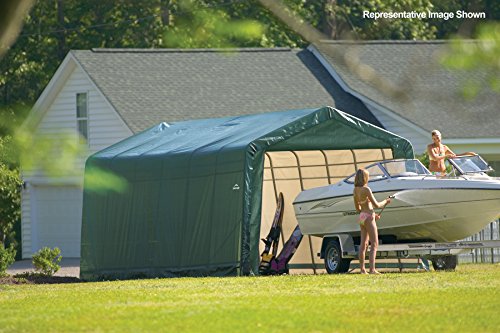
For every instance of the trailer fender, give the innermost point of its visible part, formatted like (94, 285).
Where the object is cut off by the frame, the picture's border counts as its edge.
(345, 240)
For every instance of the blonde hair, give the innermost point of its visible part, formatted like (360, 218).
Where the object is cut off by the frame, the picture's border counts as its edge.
(436, 132)
(361, 178)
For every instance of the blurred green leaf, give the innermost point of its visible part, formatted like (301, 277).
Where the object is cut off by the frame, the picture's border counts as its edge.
(204, 27)
(101, 181)
(55, 155)
(481, 55)
(470, 89)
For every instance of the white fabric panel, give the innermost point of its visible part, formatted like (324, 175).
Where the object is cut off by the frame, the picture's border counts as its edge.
(368, 155)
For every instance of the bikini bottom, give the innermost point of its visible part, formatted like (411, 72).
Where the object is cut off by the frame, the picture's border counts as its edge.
(365, 216)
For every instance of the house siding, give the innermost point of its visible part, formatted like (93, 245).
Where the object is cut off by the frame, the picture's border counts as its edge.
(25, 223)
(105, 128)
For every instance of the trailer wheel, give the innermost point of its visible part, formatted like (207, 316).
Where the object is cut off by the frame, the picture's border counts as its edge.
(334, 263)
(447, 263)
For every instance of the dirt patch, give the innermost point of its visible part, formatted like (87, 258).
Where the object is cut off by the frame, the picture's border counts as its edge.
(35, 278)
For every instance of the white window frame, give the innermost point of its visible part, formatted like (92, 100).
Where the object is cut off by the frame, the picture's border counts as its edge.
(83, 137)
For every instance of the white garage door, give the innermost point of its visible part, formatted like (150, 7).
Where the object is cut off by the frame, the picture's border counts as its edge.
(58, 214)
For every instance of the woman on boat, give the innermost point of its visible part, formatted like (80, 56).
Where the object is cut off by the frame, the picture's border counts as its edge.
(438, 153)
(364, 201)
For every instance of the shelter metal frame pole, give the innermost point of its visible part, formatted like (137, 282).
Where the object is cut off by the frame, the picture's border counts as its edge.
(321, 165)
(354, 160)
(272, 176)
(302, 189)
(331, 164)
(275, 189)
(327, 166)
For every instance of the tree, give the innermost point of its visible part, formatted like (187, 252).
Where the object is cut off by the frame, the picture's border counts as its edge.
(342, 19)
(448, 28)
(196, 26)
(10, 196)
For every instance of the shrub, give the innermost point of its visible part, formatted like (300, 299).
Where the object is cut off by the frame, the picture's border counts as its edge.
(7, 257)
(47, 260)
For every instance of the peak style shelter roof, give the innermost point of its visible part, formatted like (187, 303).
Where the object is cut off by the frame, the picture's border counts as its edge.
(411, 82)
(148, 86)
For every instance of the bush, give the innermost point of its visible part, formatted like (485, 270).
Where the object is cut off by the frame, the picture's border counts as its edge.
(47, 260)
(7, 257)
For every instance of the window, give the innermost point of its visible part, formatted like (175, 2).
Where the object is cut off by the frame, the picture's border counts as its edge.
(82, 116)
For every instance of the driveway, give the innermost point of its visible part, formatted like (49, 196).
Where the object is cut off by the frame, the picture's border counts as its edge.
(69, 267)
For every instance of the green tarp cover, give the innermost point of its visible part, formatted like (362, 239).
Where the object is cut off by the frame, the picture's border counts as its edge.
(192, 205)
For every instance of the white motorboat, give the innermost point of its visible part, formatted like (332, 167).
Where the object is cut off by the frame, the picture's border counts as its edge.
(425, 207)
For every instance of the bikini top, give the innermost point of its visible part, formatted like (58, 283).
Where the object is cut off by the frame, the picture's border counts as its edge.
(440, 153)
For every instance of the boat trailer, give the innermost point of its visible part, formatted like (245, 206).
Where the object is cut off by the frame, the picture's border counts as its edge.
(338, 250)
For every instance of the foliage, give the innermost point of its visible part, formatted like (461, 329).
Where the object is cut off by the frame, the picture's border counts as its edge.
(424, 158)
(47, 260)
(10, 197)
(7, 258)
(344, 19)
(202, 27)
(480, 56)
(465, 28)
(393, 302)
(101, 181)
(46, 37)
(54, 155)
(275, 32)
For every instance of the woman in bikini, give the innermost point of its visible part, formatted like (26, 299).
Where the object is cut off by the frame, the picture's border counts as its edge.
(364, 201)
(438, 153)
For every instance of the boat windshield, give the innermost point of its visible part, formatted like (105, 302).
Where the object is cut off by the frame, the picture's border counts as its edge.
(375, 172)
(395, 168)
(470, 164)
(405, 168)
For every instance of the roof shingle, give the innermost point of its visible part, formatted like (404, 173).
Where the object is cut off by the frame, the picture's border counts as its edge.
(148, 86)
(423, 91)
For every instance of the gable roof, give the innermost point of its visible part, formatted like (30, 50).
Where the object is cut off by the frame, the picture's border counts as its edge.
(424, 92)
(148, 86)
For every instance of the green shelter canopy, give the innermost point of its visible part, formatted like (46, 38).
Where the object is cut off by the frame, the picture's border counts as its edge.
(193, 200)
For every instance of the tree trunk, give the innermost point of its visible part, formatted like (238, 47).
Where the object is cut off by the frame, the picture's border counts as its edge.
(61, 34)
(330, 23)
(165, 12)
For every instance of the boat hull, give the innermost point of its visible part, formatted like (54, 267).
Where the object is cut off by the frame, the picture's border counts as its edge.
(439, 214)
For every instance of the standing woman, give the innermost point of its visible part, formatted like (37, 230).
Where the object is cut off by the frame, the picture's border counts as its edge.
(438, 153)
(364, 201)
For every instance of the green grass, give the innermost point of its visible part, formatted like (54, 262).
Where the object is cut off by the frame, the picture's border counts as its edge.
(467, 300)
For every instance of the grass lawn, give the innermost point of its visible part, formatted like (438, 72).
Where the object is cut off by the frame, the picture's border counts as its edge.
(467, 300)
